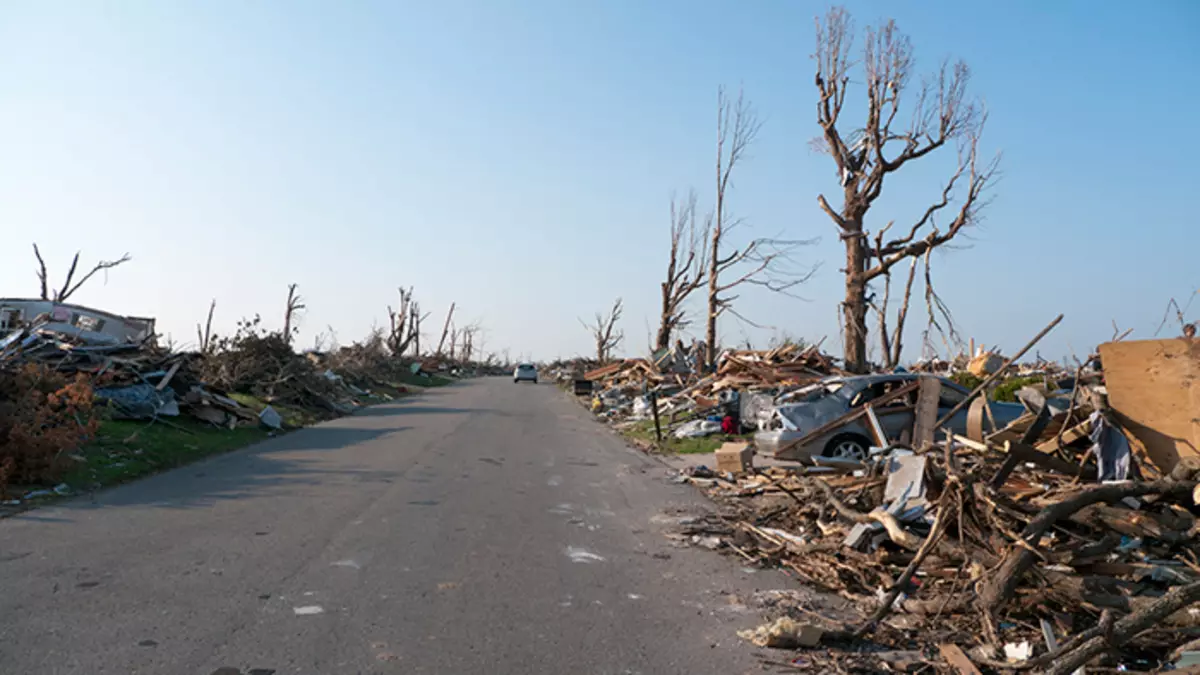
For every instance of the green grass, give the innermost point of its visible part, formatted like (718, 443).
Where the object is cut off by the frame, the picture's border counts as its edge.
(126, 450)
(418, 381)
(293, 416)
(644, 431)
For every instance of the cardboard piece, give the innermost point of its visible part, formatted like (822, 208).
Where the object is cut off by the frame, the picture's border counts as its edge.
(735, 458)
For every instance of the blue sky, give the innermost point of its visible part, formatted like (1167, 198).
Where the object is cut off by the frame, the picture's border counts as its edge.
(518, 158)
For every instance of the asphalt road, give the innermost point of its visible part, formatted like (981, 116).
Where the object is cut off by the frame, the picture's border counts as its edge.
(485, 527)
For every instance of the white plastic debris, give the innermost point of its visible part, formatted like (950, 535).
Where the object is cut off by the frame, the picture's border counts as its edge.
(697, 429)
(270, 418)
(1017, 652)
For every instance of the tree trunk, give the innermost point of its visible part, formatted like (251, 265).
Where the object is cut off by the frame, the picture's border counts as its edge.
(663, 339)
(854, 308)
(710, 357)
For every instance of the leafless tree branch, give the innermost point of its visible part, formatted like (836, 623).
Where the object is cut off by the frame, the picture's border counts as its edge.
(762, 262)
(68, 289)
(41, 272)
(295, 304)
(205, 336)
(604, 331)
(939, 113)
(686, 263)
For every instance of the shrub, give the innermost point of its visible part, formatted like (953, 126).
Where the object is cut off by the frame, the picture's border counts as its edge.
(1007, 390)
(43, 417)
(263, 364)
(966, 379)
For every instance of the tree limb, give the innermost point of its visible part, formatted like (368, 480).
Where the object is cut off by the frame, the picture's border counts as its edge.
(41, 272)
(68, 290)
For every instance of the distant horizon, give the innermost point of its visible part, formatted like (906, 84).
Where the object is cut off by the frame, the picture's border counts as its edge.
(518, 161)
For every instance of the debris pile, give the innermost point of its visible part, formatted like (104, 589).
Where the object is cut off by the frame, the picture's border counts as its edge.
(696, 403)
(1057, 541)
(141, 380)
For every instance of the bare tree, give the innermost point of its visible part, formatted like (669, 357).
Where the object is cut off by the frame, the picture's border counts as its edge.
(604, 331)
(205, 336)
(68, 289)
(470, 335)
(940, 114)
(686, 266)
(405, 324)
(761, 262)
(295, 304)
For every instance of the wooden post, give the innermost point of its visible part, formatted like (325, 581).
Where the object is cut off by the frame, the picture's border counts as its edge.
(657, 424)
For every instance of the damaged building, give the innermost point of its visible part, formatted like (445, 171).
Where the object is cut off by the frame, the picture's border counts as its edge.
(83, 323)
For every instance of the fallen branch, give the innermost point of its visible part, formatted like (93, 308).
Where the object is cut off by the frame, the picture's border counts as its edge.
(1127, 628)
(940, 523)
(994, 592)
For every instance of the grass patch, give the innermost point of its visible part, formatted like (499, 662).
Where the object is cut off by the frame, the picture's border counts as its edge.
(293, 416)
(126, 450)
(419, 381)
(644, 431)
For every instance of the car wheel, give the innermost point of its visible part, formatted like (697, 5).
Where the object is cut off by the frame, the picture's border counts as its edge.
(535, 380)
(847, 446)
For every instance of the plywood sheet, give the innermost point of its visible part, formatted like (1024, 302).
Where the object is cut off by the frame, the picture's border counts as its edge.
(1154, 387)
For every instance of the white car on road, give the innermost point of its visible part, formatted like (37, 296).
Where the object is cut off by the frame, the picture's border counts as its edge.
(525, 371)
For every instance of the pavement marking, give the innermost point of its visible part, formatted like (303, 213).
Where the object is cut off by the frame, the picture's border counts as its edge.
(347, 563)
(554, 481)
(308, 610)
(579, 555)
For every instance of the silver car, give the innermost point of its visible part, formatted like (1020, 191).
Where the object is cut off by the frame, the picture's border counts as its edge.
(800, 412)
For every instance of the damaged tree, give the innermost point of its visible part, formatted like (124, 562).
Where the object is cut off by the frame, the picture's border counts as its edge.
(469, 335)
(686, 263)
(605, 333)
(68, 289)
(940, 114)
(762, 262)
(405, 324)
(294, 304)
(205, 336)
(446, 331)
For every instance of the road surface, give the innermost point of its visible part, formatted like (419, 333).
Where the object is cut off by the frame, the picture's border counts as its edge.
(485, 527)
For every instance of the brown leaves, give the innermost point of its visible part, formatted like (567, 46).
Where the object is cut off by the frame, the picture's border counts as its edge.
(43, 416)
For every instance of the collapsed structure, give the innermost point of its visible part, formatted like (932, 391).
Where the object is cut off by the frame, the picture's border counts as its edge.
(76, 356)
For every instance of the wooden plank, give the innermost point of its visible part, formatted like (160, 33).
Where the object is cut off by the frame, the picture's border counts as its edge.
(926, 415)
(1030, 454)
(1154, 387)
(956, 657)
(167, 378)
(970, 443)
(881, 439)
(1076, 433)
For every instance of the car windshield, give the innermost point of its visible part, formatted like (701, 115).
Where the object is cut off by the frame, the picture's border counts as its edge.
(525, 366)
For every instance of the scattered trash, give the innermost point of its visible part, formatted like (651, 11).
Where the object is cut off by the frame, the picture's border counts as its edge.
(784, 633)
(697, 429)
